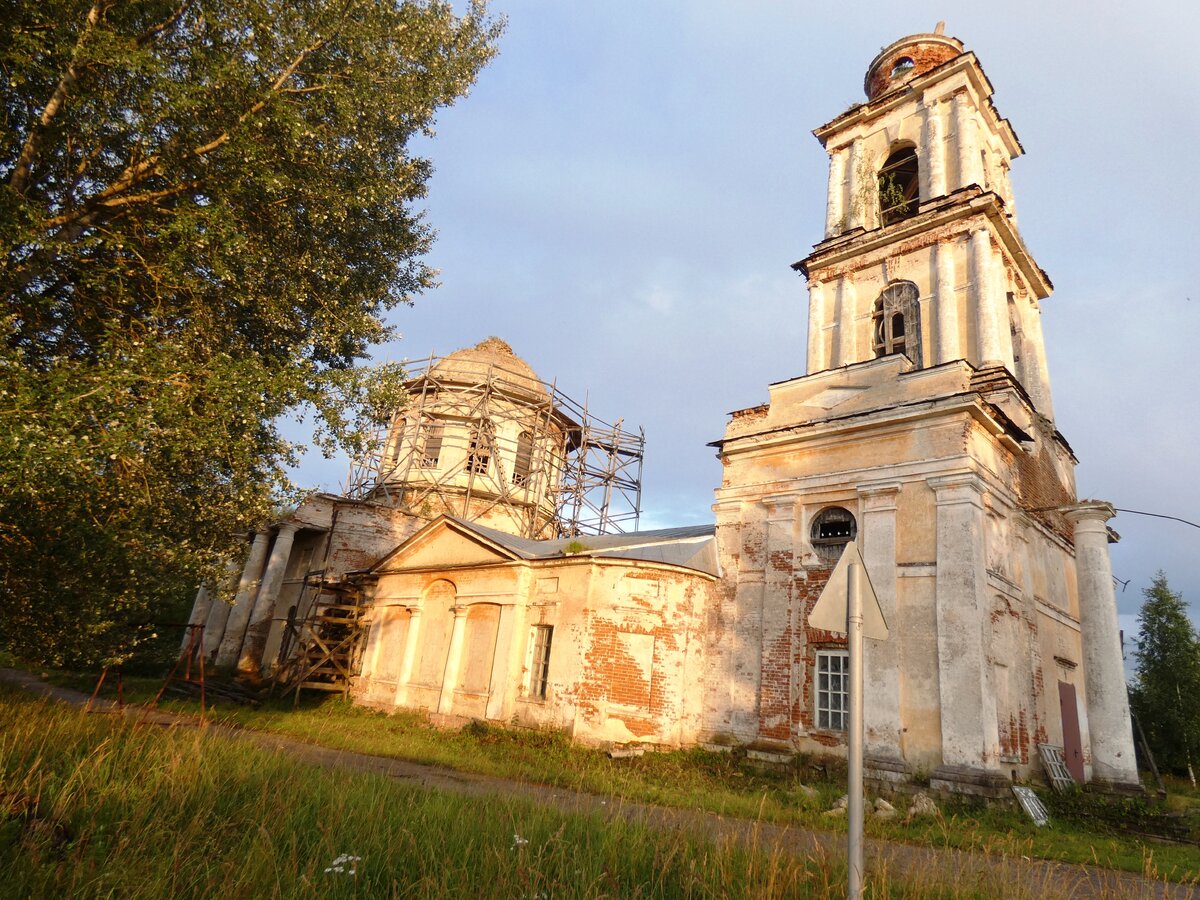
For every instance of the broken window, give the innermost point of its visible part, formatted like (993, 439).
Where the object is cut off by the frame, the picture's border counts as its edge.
(902, 66)
(523, 462)
(539, 674)
(431, 445)
(832, 529)
(833, 672)
(896, 321)
(899, 187)
(478, 454)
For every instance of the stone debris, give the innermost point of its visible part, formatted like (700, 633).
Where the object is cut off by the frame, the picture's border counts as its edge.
(922, 807)
(884, 810)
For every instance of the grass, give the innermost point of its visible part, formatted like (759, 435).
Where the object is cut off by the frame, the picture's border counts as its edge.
(95, 806)
(722, 783)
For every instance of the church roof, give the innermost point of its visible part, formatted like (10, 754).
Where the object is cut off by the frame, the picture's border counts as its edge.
(490, 358)
(690, 547)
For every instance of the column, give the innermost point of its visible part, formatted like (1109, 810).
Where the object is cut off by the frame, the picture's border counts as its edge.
(239, 615)
(983, 298)
(844, 322)
(970, 167)
(200, 610)
(453, 659)
(881, 671)
(961, 610)
(412, 642)
(946, 322)
(1108, 722)
(746, 658)
(218, 613)
(934, 138)
(263, 610)
(816, 327)
(855, 212)
(835, 207)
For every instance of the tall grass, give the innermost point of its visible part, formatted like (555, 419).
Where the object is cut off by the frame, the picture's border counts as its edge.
(95, 806)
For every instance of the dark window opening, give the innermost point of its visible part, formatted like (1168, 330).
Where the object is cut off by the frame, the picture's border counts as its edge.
(833, 529)
(899, 187)
(524, 460)
(539, 676)
(902, 66)
(896, 321)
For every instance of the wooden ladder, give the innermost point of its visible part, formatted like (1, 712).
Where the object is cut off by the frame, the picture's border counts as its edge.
(327, 647)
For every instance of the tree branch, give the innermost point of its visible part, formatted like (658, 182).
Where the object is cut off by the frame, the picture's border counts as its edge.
(170, 22)
(19, 180)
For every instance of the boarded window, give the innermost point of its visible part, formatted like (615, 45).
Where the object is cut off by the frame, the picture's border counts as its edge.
(437, 618)
(539, 675)
(431, 444)
(833, 672)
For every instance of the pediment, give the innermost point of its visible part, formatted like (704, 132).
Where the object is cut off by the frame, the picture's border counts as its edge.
(443, 544)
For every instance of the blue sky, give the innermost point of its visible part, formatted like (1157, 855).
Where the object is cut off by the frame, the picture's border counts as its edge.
(622, 194)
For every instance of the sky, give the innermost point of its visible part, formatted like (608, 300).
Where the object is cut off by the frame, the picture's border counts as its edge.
(623, 192)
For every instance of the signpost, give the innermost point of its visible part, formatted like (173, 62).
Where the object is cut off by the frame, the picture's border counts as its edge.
(848, 606)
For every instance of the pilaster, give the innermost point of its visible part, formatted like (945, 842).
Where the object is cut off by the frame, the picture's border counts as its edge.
(961, 607)
(835, 208)
(882, 677)
(412, 645)
(845, 324)
(946, 299)
(816, 328)
(934, 149)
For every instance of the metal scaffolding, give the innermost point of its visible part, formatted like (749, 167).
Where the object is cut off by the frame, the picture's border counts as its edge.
(481, 441)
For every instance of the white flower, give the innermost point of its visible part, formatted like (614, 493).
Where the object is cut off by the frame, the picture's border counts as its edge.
(343, 860)
(519, 841)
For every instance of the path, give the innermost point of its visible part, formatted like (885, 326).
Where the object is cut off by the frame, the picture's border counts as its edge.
(989, 874)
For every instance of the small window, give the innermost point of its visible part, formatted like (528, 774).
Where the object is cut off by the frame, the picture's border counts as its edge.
(832, 529)
(833, 675)
(899, 187)
(902, 66)
(539, 675)
(523, 462)
(478, 457)
(431, 449)
(896, 322)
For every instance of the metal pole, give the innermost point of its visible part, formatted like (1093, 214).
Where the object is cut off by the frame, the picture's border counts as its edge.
(854, 639)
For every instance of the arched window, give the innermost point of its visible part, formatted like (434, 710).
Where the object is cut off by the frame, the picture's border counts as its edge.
(832, 529)
(899, 187)
(897, 321)
(524, 460)
(479, 453)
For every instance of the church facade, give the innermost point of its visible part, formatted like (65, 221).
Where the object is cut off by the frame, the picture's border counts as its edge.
(923, 428)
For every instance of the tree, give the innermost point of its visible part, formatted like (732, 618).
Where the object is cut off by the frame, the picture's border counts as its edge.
(207, 208)
(1166, 691)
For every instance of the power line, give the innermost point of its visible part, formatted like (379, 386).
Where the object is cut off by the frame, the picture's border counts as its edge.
(1138, 512)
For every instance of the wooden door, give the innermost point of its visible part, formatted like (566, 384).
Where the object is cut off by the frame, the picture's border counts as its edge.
(1072, 743)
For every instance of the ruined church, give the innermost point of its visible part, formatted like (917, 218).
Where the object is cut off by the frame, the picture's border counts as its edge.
(471, 571)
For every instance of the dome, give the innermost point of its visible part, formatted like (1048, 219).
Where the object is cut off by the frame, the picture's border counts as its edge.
(902, 61)
(473, 364)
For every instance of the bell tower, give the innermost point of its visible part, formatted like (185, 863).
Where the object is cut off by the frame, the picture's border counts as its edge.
(920, 197)
(924, 430)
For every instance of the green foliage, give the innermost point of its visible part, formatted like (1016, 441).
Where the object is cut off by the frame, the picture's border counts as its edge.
(574, 547)
(1166, 691)
(207, 207)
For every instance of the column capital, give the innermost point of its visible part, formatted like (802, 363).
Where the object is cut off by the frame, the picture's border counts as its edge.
(288, 527)
(780, 506)
(460, 611)
(963, 487)
(879, 495)
(1098, 511)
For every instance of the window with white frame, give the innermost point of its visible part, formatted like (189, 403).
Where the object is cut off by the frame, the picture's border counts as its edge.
(539, 673)
(833, 695)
